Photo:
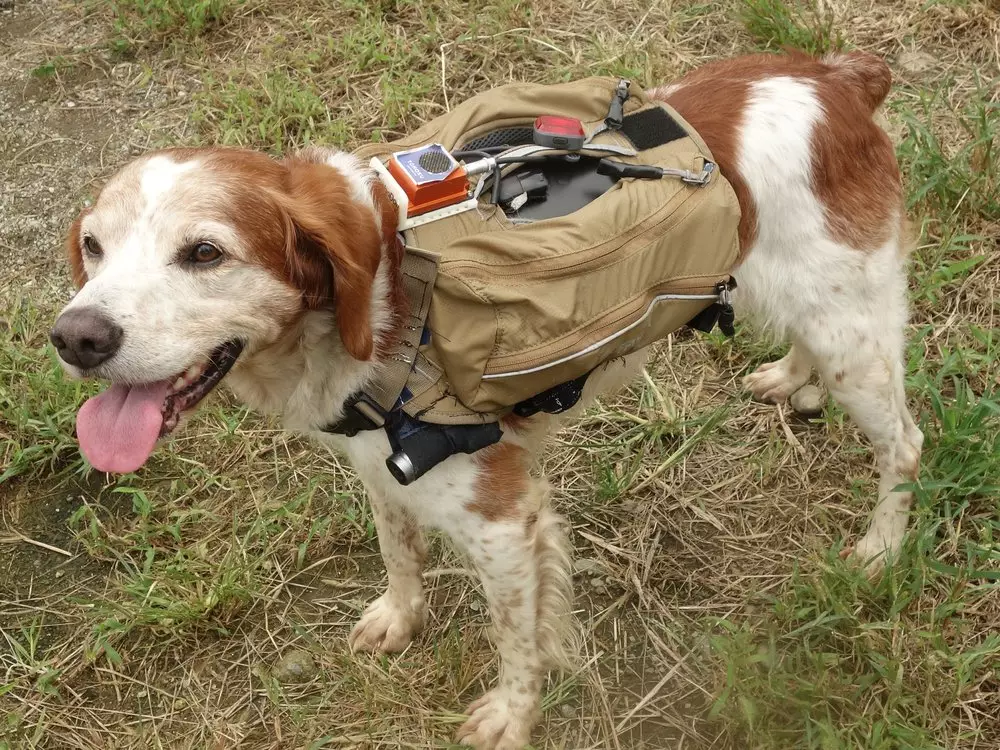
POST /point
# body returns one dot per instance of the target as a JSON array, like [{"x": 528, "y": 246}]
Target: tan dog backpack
[{"x": 504, "y": 310}]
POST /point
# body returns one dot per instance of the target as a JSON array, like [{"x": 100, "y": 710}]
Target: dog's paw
[
  {"x": 870, "y": 552},
  {"x": 774, "y": 382},
  {"x": 385, "y": 627},
  {"x": 498, "y": 723}
]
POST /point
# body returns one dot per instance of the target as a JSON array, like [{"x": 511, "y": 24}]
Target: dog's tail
[
  {"x": 867, "y": 75},
  {"x": 557, "y": 632}
]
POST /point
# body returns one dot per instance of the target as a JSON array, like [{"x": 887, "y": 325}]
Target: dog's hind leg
[
  {"x": 846, "y": 313},
  {"x": 391, "y": 621},
  {"x": 865, "y": 375}
]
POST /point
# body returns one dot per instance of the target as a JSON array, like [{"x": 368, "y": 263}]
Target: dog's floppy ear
[
  {"x": 74, "y": 250},
  {"x": 333, "y": 248}
]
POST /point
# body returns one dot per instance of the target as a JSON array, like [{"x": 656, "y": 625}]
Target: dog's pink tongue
[{"x": 118, "y": 429}]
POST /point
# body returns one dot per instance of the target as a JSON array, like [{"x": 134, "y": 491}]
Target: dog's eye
[
  {"x": 92, "y": 247},
  {"x": 204, "y": 253}
]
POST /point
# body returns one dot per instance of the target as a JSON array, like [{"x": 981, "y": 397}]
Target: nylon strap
[{"x": 418, "y": 270}]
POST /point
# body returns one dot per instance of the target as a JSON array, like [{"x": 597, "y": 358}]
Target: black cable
[
  {"x": 529, "y": 159},
  {"x": 496, "y": 185},
  {"x": 485, "y": 152}
]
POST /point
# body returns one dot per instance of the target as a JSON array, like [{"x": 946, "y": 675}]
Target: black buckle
[
  {"x": 361, "y": 413},
  {"x": 616, "y": 112},
  {"x": 555, "y": 400},
  {"x": 719, "y": 313}
]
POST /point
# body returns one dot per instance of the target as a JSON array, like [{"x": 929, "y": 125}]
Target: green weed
[
  {"x": 180, "y": 567},
  {"x": 775, "y": 24},
  {"x": 188, "y": 17},
  {"x": 274, "y": 113},
  {"x": 23, "y": 657},
  {"x": 52, "y": 67},
  {"x": 949, "y": 176}
]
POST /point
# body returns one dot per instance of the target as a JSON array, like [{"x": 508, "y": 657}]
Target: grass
[
  {"x": 897, "y": 646},
  {"x": 271, "y": 113},
  {"x": 154, "y": 18},
  {"x": 717, "y": 613},
  {"x": 775, "y": 24}
]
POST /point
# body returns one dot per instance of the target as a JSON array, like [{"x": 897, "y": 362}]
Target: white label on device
[{"x": 518, "y": 201}]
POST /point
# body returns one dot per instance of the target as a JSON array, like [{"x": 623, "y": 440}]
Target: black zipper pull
[
  {"x": 616, "y": 112},
  {"x": 727, "y": 316}
]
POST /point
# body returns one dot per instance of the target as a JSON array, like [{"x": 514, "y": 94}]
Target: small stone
[
  {"x": 295, "y": 666},
  {"x": 60, "y": 573},
  {"x": 808, "y": 401},
  {"x": 70, "y": 104},
  {"x": 567, "y": 711},
  {"x": 916, "y": 63},
  {"x": 586, "y": 565},
  {"x": 475, "y": 606},
  {"x": 597, "y": 584}
]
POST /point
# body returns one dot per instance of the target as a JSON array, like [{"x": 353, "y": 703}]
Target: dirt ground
[{"x": 205, "y": 602}]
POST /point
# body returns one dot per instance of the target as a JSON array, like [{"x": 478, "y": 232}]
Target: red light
[
  {"x": 554, "y": 131},
  {"x": 568, "y": 126}
]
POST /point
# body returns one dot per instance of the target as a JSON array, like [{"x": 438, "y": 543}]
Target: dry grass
[{"x": 156, "y": 610}]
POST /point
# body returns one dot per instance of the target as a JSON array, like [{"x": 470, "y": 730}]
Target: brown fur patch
[
  {"x": 501, "y": 483},
  {"x": 860, "y": 202},
  {"x": 388, "y": 215},
  {"x": 75, "y": 251},
  {"x": 855, "y": 173},
  {"x": 387, "y": 211},
  {"x": 333, "y": 249},
  {"x": 711, "y": 99}
]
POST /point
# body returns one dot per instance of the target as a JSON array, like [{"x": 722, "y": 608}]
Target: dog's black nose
[{"x": 85, "y": 337}]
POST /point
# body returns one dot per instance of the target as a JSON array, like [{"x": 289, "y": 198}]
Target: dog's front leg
[
  {"x": 519, "y": 548},
  {"x": 391, "y": 621}
]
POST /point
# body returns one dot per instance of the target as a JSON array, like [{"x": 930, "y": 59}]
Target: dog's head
[{"x": 190, "y": 259}]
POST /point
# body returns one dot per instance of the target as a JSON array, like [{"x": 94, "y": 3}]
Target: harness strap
[
  {"x": 418, "y": 271},
  {"x": 405, "y": 367}
]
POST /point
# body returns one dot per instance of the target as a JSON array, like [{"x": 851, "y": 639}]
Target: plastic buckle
[{"x": 361, "y": 413}]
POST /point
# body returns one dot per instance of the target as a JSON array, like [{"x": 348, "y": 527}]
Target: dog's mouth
[{"x": 118, "y": 429}]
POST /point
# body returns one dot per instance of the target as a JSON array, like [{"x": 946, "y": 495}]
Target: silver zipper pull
[
  {"x": 699, "y": 179},
  {"x": 725, "y": 295}
]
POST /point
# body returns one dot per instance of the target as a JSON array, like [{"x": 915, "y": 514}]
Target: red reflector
[
  {"x": 559, "y": 125},
  {"x": 559, "y": 132}
]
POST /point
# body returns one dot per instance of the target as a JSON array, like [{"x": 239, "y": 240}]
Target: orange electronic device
[{"x": 430, "y": 177}]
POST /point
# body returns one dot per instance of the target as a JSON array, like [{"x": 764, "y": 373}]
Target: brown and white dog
[{"x": 193, "y": 261}]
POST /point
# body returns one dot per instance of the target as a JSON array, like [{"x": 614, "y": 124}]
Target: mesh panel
[
  {"x": 435, "y": 162},
  {"x": 506, "y": 137}
]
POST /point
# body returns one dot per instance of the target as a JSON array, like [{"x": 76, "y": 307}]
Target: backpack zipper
[{"x": 720, "y": 295}]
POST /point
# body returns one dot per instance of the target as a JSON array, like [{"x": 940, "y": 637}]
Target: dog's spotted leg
[
  {"x": 774, "y": 382},
  {"x": 391, "y": 621},
  {"x": 862, "y": 366},
  {"x": 874, "y": 397},
  {"x": 519, "y": 549}
]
